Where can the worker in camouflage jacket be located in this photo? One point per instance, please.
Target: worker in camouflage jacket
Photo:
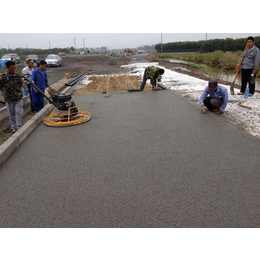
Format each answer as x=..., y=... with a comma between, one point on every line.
x=11, y=85
x=152, y=73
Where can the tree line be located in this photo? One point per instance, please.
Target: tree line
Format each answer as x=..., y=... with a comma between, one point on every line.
x=206, y=45
x=28, y=51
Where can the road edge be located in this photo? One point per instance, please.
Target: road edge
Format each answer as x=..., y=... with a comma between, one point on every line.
x=13, y=142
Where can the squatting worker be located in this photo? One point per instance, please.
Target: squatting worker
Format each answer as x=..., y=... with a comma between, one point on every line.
x=27, y=72
x=250, y=66
x=39, y=77
x=151, y=73
x=11, y=85
x=214, y=97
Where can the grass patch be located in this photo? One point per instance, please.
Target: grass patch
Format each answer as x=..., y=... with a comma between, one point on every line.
x=217, y=59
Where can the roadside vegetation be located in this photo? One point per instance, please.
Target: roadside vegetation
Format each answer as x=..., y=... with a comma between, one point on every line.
x=206, y=46
x=217, y=53
x=217, y=59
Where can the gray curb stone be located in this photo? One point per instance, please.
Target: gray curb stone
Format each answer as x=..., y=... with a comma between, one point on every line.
x=13, y=142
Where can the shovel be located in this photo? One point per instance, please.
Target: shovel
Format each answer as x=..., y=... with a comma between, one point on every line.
x=233, y=83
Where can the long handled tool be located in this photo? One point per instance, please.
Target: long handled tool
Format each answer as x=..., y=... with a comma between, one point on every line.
x=241, y=105
x=233, y=83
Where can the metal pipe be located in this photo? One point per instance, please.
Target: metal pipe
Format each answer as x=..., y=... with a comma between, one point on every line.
x=74, y=81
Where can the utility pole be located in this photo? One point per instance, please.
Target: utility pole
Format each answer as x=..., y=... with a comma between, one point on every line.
x=75, y=46
x=161, y=42
x=83, y=43
x=49, y=45
x=206, y=36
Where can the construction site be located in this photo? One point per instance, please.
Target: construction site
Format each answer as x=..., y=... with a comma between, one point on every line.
x=140, y=160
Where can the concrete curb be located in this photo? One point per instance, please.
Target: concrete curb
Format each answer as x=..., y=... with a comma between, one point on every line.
x=13, y=142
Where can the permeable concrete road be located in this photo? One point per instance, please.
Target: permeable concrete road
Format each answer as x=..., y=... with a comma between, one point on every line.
x=145, y=159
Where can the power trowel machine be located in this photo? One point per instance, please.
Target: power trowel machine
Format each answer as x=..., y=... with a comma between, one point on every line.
x=65, y=113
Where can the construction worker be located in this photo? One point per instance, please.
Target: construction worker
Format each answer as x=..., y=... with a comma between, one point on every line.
x=11, y=85
x=250, y=66
x=214, y=98
x=39, y=78
x=151, y=73
x=27, y=72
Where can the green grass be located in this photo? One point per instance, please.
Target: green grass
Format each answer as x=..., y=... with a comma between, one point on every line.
x=217, y=59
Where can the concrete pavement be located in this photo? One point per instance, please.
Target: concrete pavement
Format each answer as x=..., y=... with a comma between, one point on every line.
x=146, y=159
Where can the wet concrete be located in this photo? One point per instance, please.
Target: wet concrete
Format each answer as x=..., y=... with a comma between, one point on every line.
x=146, y=159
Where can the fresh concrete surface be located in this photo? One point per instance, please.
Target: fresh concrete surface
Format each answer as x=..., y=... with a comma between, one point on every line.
x=8, y=147
x=145, y=159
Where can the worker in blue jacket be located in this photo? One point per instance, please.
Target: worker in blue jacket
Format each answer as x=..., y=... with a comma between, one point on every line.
x=39, y=77
x=214, y=97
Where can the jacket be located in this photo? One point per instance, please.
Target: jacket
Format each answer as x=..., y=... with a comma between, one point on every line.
x=11, y=86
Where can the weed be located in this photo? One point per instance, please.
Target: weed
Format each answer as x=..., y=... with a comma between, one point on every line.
x=216, y=59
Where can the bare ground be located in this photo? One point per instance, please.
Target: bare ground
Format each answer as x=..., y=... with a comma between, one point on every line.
x=111, y=84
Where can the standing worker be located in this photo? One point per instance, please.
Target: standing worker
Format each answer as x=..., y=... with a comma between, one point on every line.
x=214, y=98
x=27, y=72
x=151, y=73
x=39, y=78
x=250, y=65
x=11, y=85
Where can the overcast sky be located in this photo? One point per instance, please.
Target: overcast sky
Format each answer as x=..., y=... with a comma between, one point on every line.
x=115, y=24
x=110, y=40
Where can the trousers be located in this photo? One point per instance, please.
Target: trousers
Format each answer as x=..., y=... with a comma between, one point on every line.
x=30, y=94
x=246, y=78
x=212, y=103
x=15, y=114
x=144, y=81
x=37, y=101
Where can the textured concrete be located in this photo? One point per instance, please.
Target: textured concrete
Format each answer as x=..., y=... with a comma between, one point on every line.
x=7, y=148
x=146, y=159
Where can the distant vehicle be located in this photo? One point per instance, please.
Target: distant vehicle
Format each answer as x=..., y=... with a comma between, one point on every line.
x=8, y=57
x=127, y=52
x=53, y=60
x=33, y=57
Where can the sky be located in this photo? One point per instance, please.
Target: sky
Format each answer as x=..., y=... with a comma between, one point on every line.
x=109, y=40
x=51, y=24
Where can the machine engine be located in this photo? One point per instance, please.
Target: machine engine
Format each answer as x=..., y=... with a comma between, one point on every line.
x=63, y=102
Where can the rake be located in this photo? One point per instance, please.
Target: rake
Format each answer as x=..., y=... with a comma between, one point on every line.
x=233, y=83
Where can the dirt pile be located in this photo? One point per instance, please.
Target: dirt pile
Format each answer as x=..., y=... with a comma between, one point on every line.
x=112, y=84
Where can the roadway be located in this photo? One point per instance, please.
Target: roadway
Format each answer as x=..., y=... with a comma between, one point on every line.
x=145, y=159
